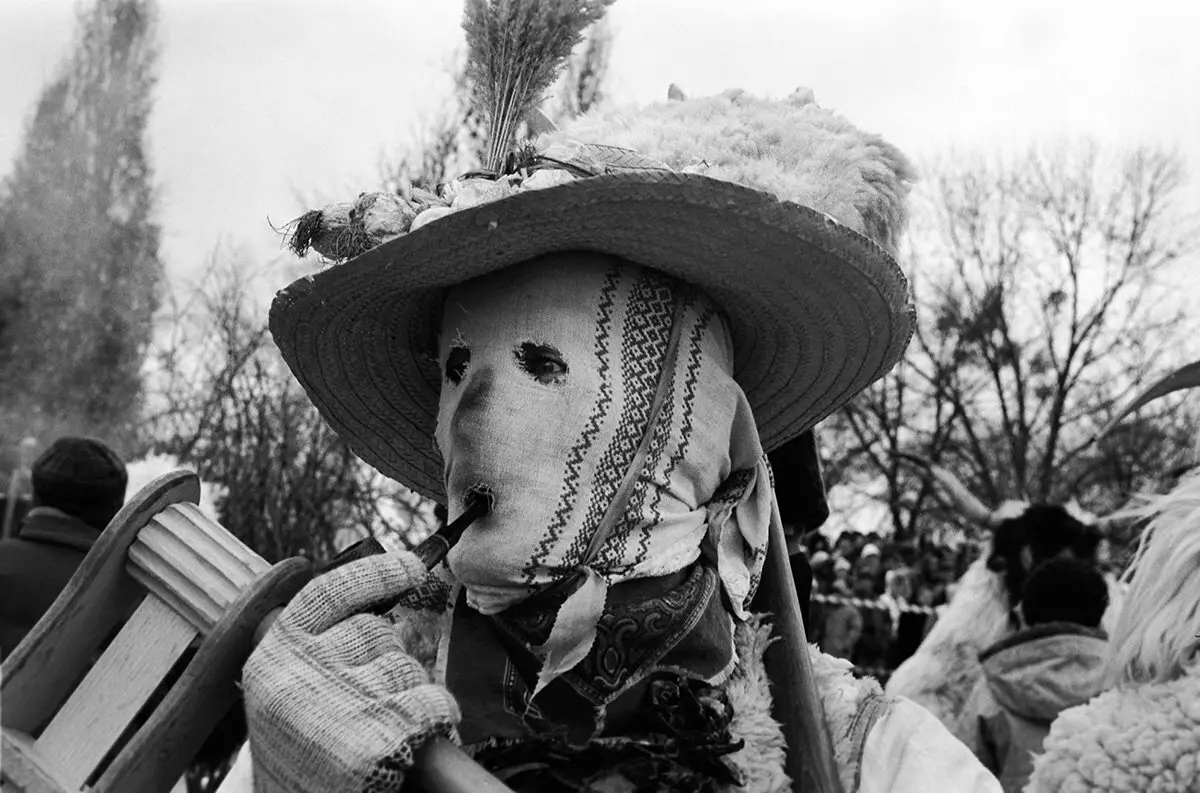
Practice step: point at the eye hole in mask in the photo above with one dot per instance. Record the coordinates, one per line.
(542, 362)
(456, 364)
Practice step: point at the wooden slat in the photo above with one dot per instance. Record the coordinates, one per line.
(795, 700)
(83, 732)
(40, 673)
(160, 750)
(22, 769)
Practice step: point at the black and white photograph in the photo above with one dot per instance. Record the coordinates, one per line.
(599, 396)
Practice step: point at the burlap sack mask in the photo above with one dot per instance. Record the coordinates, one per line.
(549, 372)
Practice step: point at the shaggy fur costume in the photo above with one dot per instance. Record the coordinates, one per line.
(1131, 739)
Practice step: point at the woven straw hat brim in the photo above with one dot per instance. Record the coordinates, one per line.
(817, 311)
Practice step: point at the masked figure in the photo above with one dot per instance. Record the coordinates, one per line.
(599, 341)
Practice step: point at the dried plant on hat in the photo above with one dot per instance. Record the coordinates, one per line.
(514, 51)
(790, 148)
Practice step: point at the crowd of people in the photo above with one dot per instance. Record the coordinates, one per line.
(873, 599)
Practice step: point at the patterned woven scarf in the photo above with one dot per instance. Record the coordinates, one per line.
(550, 372)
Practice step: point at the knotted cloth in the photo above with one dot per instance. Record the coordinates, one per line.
(550, 371)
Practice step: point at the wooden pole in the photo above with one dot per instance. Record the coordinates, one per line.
(795, 698)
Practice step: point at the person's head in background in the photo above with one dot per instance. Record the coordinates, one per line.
(1064, 589)
(864, 586)
(947, 566)
(898, 584)
(822, 566)
(841, 570)
(869, 561)
(845, 544)
(81, 477)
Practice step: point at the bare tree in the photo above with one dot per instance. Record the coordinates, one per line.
(223, 401)
(79, 264)
(583, 84)
(1038, 282)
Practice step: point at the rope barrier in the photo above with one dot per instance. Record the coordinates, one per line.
(876, 603)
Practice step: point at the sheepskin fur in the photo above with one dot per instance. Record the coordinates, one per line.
(1127, 740)
(942, 673)
(791, 148)
(842, 695)
(761, 761)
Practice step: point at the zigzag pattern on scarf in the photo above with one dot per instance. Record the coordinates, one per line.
(644, 336)
(604, 398)
(685, 431)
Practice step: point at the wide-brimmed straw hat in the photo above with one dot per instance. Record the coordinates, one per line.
(783, 213)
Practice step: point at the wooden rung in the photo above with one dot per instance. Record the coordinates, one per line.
(127, 674)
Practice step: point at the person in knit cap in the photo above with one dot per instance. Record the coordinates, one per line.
(1055, 662)
(78, 486)
(598, 338)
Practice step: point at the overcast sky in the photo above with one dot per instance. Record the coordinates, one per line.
(262, 102)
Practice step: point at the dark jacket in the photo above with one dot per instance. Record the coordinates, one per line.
(35, 567)
(1030, 678)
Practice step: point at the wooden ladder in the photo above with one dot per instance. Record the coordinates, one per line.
(162, 579)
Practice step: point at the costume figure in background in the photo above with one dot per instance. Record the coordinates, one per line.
(1143, 732)
(1055, 662)
(803, 509)
(945, 669)
(78, 486)
(601, 341)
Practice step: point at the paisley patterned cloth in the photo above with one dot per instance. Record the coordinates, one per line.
(674, 624)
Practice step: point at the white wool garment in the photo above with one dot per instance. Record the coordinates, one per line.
(549, 370)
